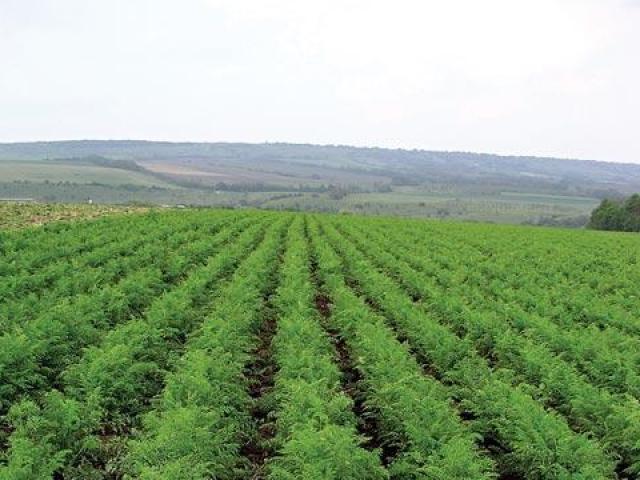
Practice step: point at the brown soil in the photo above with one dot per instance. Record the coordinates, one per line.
(260, 373)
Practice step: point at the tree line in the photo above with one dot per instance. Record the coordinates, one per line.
(619, 215)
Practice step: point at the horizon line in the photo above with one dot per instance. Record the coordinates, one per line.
(323, 145)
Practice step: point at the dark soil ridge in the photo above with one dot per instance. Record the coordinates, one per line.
(352, 380)
(260, 374)
(490, 445)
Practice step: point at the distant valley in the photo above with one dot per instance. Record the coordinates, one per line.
(418, 183)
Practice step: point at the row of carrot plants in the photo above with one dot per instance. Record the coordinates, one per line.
(18, 284)
(613, 419)
(201, 419)
(528, 440)
(316, 434)
(567, 277)
(609, 358)
(413, 411)
(583, 277)
(27, 251)
(80, 431)
(19, 278)
(33, 355)
(88, 272)
(93, 241)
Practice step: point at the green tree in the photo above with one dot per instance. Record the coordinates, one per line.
(632, 210)
(617, 215)
(607, 216)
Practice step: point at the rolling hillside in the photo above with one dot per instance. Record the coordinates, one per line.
(328, 178)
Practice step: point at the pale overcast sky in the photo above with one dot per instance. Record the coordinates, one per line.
(558, 78)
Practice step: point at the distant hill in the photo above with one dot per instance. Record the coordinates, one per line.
(311, 176)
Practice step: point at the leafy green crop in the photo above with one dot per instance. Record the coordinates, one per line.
(201, 344)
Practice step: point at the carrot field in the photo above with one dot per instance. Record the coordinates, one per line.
(239, 344)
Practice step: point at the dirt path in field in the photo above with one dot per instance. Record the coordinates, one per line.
(260, 373)
(488, 443)
(352, 386)
(351, 377)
